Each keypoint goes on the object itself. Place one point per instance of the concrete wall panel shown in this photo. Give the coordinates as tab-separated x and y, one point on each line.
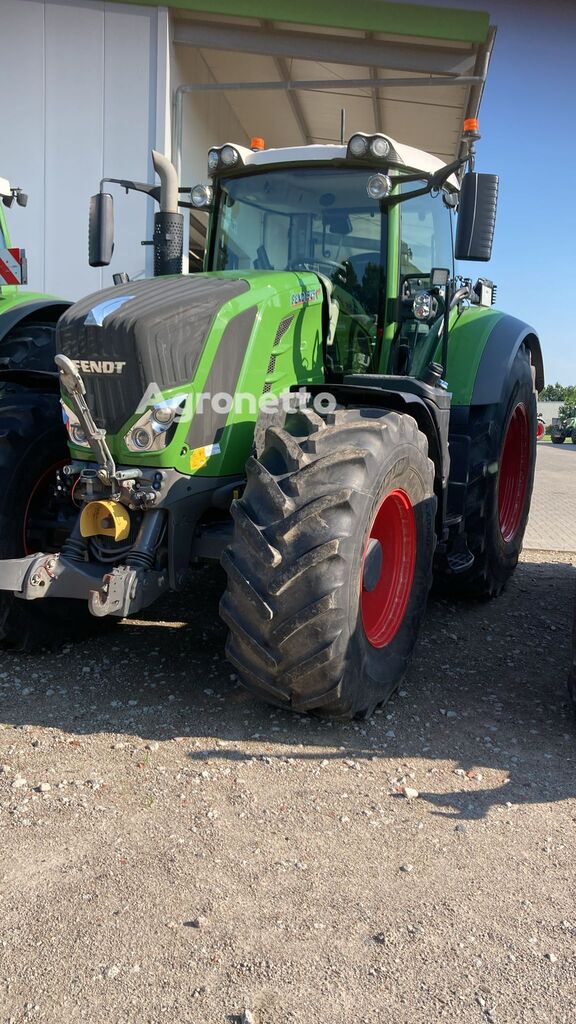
87	99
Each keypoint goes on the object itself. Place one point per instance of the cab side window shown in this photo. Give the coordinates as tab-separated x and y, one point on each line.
426	234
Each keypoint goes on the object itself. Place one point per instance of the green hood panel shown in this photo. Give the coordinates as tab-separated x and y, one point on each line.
261	333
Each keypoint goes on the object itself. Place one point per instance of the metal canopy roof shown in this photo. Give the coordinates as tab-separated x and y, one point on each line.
287	80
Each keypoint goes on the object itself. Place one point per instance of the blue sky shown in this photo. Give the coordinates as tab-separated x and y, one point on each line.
528	125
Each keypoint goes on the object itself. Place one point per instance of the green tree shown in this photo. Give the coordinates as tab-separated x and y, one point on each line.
554	393
568	408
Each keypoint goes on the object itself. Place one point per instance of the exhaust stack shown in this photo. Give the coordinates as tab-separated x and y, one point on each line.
168	223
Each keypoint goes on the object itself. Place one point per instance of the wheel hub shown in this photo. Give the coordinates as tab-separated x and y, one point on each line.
388	569
514	473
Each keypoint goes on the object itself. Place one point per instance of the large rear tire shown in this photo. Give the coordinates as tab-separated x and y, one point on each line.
501	476
29	346
36	514
331	560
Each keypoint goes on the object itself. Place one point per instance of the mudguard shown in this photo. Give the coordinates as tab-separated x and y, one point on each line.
497	358
44	309
483	345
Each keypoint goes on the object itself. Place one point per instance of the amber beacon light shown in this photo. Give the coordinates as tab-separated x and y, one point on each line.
471	126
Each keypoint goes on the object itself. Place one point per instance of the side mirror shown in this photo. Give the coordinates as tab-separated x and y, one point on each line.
476	216
101	230
22	198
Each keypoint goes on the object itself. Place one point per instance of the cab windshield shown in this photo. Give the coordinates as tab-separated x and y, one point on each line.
319	219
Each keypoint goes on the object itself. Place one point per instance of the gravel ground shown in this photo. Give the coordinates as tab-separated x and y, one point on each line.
173	851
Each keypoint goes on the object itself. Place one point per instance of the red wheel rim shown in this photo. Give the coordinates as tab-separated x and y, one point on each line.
388	569
514	473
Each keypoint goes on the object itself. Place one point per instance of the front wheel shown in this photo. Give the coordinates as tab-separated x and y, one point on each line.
331	560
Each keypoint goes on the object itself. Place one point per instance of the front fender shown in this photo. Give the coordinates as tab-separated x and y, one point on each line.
19	308
482	347
497	358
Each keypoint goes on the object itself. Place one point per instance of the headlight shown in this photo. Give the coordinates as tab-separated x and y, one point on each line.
379	186
163	415
141	439
75	430
425	306
358	145
153	431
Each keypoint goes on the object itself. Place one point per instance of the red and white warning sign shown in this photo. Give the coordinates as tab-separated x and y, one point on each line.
13	266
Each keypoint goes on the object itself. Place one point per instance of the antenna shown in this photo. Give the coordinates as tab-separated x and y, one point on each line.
342	125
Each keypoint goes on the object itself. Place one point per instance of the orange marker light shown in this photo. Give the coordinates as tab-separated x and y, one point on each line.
256	143
471	124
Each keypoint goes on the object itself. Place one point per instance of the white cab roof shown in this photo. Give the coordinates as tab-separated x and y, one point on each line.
409	157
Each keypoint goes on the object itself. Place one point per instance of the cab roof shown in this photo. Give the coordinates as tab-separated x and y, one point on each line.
404	157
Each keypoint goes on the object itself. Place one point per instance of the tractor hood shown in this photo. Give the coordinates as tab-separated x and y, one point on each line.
124	339
256	333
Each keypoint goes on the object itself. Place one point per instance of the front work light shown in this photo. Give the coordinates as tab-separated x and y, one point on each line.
223	158
201	196
379	186
229	156
380	147
369	147
358	145
425	306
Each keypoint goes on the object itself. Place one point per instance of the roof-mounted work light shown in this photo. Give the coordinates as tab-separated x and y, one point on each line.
368	147
223	158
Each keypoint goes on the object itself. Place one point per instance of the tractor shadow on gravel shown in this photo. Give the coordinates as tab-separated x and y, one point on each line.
486	692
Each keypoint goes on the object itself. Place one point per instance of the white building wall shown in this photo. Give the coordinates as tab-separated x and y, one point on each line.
87	83
208	119
549	411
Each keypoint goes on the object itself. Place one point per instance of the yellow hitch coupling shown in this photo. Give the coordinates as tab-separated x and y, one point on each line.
105	519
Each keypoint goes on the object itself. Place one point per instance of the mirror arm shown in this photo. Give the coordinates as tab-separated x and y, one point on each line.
433	181
140	186
134	186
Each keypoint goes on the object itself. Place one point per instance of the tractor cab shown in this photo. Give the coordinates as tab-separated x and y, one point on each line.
374	219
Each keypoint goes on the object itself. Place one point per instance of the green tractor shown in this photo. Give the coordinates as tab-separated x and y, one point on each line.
326	409
27	319
562	429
